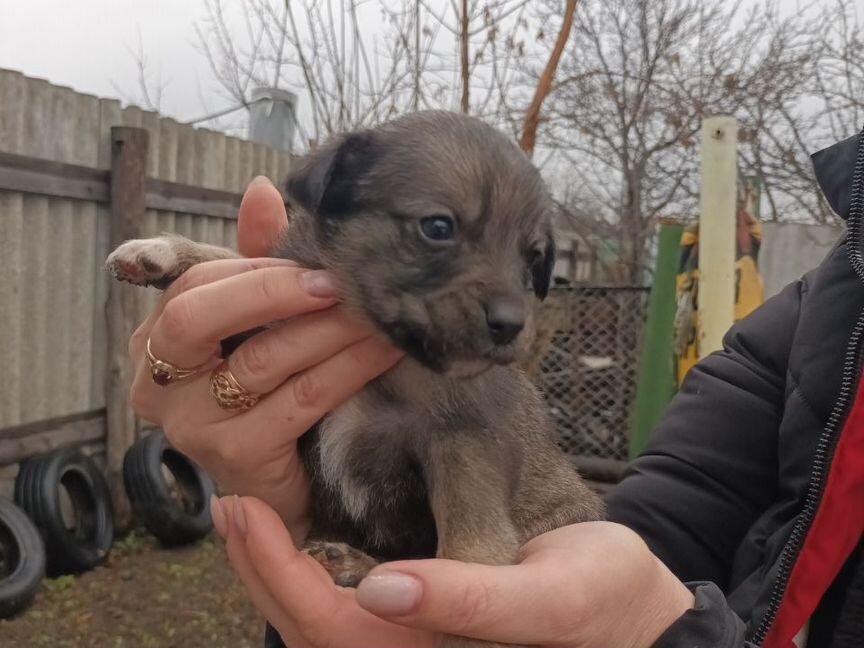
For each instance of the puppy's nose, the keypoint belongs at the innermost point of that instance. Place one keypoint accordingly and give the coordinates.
(505, 317)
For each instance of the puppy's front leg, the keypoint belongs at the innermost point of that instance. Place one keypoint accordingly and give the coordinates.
(159, 261)
(470, 484)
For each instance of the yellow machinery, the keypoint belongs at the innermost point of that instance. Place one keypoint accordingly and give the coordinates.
(749, 291)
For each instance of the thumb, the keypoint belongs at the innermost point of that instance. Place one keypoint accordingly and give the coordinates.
(261, 220)
(465, 599)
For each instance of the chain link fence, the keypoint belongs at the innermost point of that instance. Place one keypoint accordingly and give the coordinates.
(586, 361)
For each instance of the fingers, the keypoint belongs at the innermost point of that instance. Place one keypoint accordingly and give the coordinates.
(191, 324)
(212, 271)
(307, 603)
(263, 362)
(470, 600)
(279, 419)
(151, 401)
(198, 275)
(565, 584)
(261, 220)
(304, 399)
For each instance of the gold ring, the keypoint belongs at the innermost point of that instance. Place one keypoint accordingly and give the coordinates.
(228, 392)
(164, 373)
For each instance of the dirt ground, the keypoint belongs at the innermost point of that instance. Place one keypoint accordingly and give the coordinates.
(143, 597)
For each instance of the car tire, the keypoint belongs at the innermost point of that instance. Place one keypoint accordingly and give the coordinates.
(66, 495)
(22, 559)
(169, 493)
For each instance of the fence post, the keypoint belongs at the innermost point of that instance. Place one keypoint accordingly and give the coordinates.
(128, 171)
(717, 231)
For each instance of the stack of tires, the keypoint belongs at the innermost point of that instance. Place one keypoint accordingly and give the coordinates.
(62, 520)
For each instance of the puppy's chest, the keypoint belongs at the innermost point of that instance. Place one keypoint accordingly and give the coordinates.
(367, 456)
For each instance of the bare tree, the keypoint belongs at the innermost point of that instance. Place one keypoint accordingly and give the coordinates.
(464, 44)
(639, 79)
(544, 85)
(346, 77)
(150, 84)
(840, 79)
(356, 64)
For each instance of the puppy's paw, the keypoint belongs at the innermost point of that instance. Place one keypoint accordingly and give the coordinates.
(145, 262)
(346, 565)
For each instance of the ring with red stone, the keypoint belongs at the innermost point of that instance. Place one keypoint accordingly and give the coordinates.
(164, 373)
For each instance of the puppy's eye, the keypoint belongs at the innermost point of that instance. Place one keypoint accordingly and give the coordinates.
(438, 228)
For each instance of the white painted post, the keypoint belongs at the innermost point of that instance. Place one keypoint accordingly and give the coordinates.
(717, 231)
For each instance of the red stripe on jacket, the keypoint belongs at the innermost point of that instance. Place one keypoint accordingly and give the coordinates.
(835, 532)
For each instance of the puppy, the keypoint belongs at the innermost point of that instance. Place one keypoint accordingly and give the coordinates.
(438, 230)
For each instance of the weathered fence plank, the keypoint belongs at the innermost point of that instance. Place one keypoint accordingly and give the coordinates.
(13, 87)
(56, 292)
(33, 307)
(11, 295)
(37, 119)
(15, 450)
(82, 301)
(47, 178)
(187, 199)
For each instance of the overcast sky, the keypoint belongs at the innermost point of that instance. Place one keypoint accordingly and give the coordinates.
(89, 45)
(86, 44)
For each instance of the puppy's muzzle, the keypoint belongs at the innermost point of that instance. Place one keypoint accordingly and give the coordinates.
(505, 317)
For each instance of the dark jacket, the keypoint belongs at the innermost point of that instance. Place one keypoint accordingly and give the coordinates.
(752, 487)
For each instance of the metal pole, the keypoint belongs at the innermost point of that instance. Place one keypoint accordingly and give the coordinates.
(717, 231)
(272, 114)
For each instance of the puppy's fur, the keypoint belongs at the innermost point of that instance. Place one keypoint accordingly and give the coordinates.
(450, 453)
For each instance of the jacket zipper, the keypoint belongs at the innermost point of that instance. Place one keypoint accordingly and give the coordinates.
(816, 486)
(827, 440)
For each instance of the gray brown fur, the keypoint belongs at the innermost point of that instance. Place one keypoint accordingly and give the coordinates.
(451, 452)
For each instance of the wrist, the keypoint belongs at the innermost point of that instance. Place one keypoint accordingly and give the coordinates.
(669, 601)
(289, 498)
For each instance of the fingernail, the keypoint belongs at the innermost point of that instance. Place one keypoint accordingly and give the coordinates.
(389, 594)
(319, 283)
(217, 514)
(240, 516)
(259, 180)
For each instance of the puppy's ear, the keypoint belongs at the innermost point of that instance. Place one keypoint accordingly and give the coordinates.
(324, 183)
(541, 271)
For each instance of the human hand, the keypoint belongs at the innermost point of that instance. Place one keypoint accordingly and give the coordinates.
(589, 585)
(307, 365)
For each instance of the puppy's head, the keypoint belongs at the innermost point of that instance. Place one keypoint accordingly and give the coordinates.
(438, 230)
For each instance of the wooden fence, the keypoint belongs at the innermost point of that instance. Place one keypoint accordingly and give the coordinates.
(79, 174)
